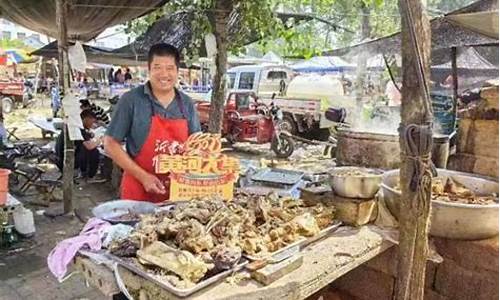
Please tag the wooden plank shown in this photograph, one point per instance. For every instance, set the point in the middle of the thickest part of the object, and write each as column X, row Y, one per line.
column 273, row 272
column 323, row 262
column 355, row 212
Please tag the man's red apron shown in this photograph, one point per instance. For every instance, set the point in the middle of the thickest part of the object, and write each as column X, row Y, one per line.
column 162, row 129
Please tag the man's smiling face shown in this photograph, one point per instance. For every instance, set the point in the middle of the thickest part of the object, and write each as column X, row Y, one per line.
column 163, row 73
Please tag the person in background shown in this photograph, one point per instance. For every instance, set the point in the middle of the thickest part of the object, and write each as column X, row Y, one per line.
column 111, row 78
column 119, row 77
column 83, row 87
column 98, row 111
column 393, row 94
column 128, row 76
column 55, row 100
column 86, row 152
column 448, row 82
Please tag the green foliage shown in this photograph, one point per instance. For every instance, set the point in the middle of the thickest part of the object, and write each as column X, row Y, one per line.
column 305, row 40
column 315, row 36
column 257, row 19
column 14, row 44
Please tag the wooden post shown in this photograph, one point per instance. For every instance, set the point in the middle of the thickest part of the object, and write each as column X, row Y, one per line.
column 69, row 151
column 415, row 176
column 37, row 77
column 454, row 72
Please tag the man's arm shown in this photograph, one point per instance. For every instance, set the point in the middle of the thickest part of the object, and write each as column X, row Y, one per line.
column 115, row 150
column 117, row 131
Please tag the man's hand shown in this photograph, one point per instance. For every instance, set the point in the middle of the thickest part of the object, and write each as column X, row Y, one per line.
column 152, row 184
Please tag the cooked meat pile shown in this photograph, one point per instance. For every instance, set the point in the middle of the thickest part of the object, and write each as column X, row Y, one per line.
column 448, row 190
column 452, row 191
column 201, row 238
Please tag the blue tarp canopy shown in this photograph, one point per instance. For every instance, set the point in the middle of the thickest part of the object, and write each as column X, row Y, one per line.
column 323, row 64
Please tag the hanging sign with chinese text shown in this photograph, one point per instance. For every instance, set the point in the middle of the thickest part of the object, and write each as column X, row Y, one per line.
column 197, row 169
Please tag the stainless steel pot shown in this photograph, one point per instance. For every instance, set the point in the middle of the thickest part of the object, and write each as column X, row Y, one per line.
column 355, row 186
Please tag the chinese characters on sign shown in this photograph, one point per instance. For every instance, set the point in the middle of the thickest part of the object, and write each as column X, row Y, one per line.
column 184, row 186
column 221, row 164
column 200, row 171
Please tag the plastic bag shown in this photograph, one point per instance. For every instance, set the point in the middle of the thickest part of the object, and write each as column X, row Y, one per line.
column 77, row 57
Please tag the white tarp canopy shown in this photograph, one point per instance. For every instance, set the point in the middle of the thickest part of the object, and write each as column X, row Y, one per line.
column 484, row 22
column 272, row 57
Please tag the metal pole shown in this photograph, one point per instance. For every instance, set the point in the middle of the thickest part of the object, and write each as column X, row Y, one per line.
column 454, row 71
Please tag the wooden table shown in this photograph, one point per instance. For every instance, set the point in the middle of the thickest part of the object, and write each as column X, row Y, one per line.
column 324, row 261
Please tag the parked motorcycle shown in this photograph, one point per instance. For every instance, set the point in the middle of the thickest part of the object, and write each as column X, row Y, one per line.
column 248, row 120
column 282, row 143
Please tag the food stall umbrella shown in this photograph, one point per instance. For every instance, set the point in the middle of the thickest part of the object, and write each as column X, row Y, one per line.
column 18, row 56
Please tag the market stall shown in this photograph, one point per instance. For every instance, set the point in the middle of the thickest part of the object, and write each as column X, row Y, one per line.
column 212, row 241
column 322, row 263
column 287, row 244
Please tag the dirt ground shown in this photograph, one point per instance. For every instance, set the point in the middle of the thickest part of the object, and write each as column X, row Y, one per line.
column 23, row 269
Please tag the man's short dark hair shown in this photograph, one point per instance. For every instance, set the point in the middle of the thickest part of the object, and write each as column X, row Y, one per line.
column 164, row 49
column 87, row 113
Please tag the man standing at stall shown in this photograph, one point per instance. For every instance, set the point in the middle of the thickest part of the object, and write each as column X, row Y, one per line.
column 148, row 116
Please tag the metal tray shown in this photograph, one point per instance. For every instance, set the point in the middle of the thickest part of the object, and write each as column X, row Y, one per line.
column 301, row 243
column 111, row 211
column 170, row 287
column 278, row 176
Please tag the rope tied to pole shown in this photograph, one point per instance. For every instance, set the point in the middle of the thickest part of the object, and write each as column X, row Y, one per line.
column 417, row 149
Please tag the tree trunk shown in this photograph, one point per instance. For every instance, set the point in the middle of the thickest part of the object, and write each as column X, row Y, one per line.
column 222, row 10
column 69, row 152
column 362, row 57
column 415, row 109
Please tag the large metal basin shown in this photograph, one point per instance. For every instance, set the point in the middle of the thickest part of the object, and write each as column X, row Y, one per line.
column 380, row 150
column 453, row 220
column 365, row 149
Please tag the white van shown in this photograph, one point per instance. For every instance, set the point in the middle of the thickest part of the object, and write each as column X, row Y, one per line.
column 263, row 80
